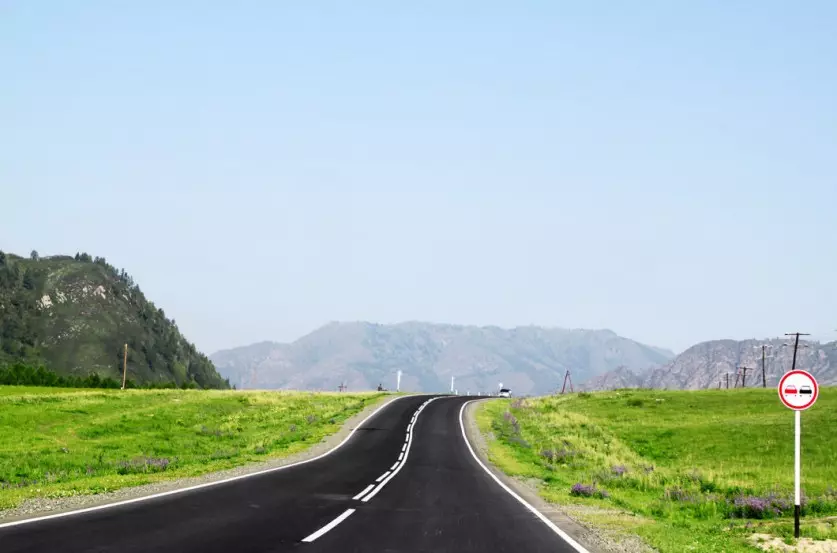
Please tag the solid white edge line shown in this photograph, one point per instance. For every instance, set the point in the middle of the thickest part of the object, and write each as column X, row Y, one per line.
column 572, row 543
column 404, row 454
column 365, row 490
column 329, row 526
column 381, row 477
column 200, row 486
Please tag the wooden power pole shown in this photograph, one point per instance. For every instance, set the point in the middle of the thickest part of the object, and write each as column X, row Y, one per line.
column 567, row 378
column 125, row 367
column 743, row 376
column 764, row 365
column 795, row 345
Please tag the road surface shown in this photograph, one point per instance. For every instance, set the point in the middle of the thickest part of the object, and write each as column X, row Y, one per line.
column 406, row 481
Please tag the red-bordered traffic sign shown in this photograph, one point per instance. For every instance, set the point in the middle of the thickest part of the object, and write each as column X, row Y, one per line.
column 798, row 390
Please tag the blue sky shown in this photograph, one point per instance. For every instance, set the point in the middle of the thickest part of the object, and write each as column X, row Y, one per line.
column 666, row 170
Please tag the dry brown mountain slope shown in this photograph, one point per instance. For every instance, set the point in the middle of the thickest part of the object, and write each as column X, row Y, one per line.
column 706, row 365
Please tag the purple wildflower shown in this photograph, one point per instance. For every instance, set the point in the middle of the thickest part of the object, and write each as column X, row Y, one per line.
column 585, row 490
column 557, row 455
column 752, row 506
column 580, row 489
column 143, row 464
column 679, row 494
column 619, row 470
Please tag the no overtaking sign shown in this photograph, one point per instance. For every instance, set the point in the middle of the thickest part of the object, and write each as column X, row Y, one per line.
column 798, row 390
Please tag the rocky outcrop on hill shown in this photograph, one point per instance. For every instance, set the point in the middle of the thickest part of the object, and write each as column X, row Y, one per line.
column 710, row 364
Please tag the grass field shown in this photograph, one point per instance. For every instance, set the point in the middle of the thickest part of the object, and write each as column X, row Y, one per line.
column 698, row 471
column 57, row 442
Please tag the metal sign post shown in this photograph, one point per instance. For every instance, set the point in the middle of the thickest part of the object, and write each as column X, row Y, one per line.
column 797, row 470
column 798, row 390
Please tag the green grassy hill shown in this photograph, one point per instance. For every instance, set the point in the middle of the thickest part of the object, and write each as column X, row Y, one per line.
column 74, row 315
column 687, row 471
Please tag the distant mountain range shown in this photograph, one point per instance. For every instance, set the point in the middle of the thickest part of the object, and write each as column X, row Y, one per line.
column 707, row 365
column 529, row 360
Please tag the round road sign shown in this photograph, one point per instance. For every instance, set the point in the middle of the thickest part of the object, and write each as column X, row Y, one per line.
column 798, row 390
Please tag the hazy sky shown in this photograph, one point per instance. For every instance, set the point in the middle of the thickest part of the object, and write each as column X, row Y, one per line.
column 667, row 170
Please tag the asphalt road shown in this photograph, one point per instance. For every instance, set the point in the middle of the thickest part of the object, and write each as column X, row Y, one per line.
column 405, row 482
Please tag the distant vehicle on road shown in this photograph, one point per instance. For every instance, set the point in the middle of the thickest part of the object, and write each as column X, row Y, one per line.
column 805, row 390
column 791, row 389
column 504, row 392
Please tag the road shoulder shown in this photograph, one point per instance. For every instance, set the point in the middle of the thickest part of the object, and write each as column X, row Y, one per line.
column 41, row 506
column 596, row 540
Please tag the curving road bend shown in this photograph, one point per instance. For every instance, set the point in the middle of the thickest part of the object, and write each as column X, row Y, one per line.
column 406, row 481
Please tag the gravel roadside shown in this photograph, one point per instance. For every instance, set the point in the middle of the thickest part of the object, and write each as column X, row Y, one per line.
column 46, row 506
column 594, row 539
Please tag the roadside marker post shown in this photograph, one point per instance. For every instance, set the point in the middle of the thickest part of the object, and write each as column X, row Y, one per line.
column 798, row 391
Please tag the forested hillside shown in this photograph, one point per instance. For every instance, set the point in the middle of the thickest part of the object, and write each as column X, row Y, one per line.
column 74, row 315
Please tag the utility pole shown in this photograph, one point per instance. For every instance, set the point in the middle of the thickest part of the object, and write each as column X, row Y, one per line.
column 795, row 345
column 727, row 375
column 743, row 375
column 763, row 363
column 125, row 367
column 764, row 357
column 567, row 378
